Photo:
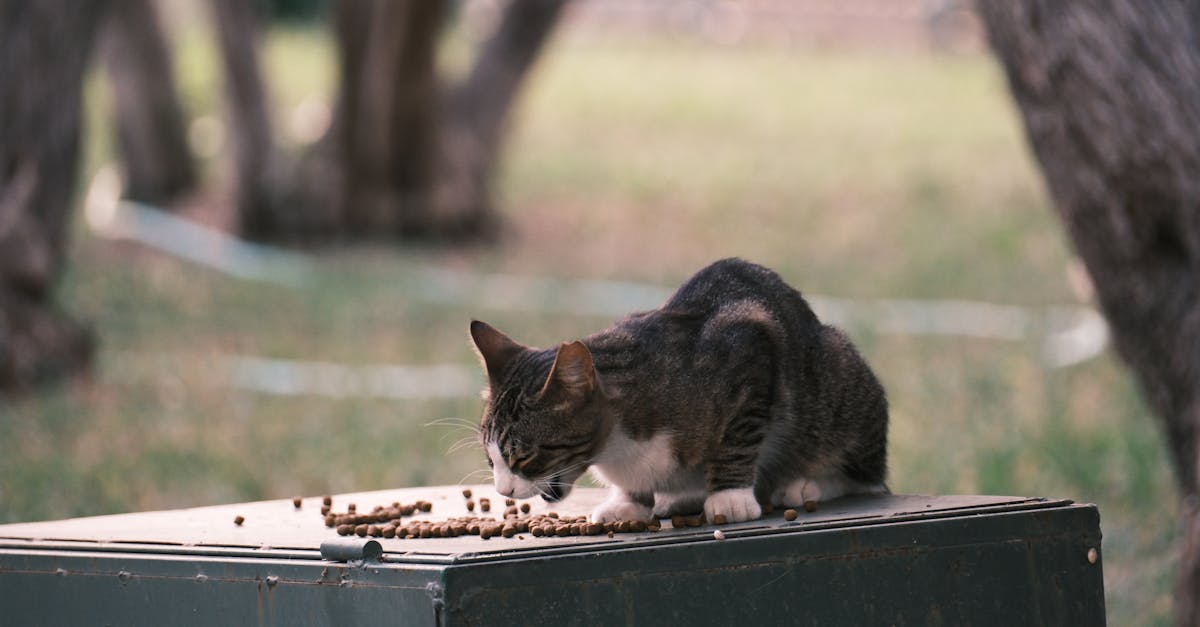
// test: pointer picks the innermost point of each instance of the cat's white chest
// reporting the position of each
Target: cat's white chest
(636, 465)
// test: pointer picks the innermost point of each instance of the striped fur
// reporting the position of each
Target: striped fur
(731, 394)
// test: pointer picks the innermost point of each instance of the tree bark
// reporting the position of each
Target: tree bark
(479, 109)
(386, 115)
(44, 49)
(150, 128)
(254, 159)
(1110, 95)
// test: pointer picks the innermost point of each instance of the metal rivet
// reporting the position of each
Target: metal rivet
(1093, 556)
(272, 580)
(201, 578)
(61, 572)
(124, 575)
(718, 534)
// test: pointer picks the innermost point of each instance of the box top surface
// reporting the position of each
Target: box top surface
(276, 529)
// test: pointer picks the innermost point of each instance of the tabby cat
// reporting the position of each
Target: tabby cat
(731, 395)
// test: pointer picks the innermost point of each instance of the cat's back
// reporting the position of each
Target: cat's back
(731, 283)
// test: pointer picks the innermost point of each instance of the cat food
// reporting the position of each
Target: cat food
(325, 510)
(239, 519)
(719, 519)
(810, 506)
(470, 504)
(353, 507)
(509, 502)
(327, 500)
(485, 504)
(297, 502)
(467, 493)
(790, 514)
(386, 522)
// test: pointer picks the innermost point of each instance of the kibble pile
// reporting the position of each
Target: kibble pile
(396, 521)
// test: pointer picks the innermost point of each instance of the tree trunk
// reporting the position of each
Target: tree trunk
(386, 114)
(249, 121)
(150, 128)
(44, 49)
(1110, 95)
(478, 111)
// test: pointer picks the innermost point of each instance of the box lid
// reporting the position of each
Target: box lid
(277, 529)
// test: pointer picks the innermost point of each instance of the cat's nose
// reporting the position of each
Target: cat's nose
(506, 490)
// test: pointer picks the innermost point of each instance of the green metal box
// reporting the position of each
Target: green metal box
(879, 560)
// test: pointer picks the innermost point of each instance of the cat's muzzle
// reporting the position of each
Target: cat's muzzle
(556, 489)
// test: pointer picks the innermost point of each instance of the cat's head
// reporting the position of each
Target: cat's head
(542, 416)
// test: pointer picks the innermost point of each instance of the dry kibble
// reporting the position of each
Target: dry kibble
(485, 505)
(470, 506)
(694, 521)
(511, 510)
(467, 493)
(810, 506)
(679, 522)
(637, 526)
(389, 532)
(524, 508)
(327, 500)
(330, 521)
(610, 533)
(719, 519)
(353, 507)
(509, 502)
(345, 530)
(553, 514)
(325, 509)
(790, 514)
(361, 531)
(297, 502)
(374, 531)
(238, 520)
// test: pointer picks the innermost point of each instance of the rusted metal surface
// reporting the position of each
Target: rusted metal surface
(897, 559)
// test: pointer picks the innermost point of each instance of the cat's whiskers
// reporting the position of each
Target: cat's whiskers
(462, 443)
(453, 421)
(487, 475)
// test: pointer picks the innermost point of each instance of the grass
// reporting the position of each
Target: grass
(855, 174)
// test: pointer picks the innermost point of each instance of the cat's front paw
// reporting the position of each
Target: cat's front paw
(614, 510)
(735, 505)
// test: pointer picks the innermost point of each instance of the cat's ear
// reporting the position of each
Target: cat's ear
(573, 372)
(495, 348)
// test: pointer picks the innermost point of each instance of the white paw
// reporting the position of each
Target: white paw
(615, 509)
(802, 490)
(677, 503)
(736, 505)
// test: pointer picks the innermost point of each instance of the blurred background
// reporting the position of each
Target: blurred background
(279, 235)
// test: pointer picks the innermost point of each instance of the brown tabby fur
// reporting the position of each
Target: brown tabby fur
(752, 390)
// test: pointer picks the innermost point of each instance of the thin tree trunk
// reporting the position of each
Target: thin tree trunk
(479, 111)
(249, 120)
(44, 50)
(386, 114)
(1110, 94)
(150, 128)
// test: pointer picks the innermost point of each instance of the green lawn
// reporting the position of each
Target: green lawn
(854, 174)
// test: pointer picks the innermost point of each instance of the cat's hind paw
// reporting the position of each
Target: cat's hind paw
(614, 510)
(735, 505)
(667, 505)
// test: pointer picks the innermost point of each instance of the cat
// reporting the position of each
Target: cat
(731, 395)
